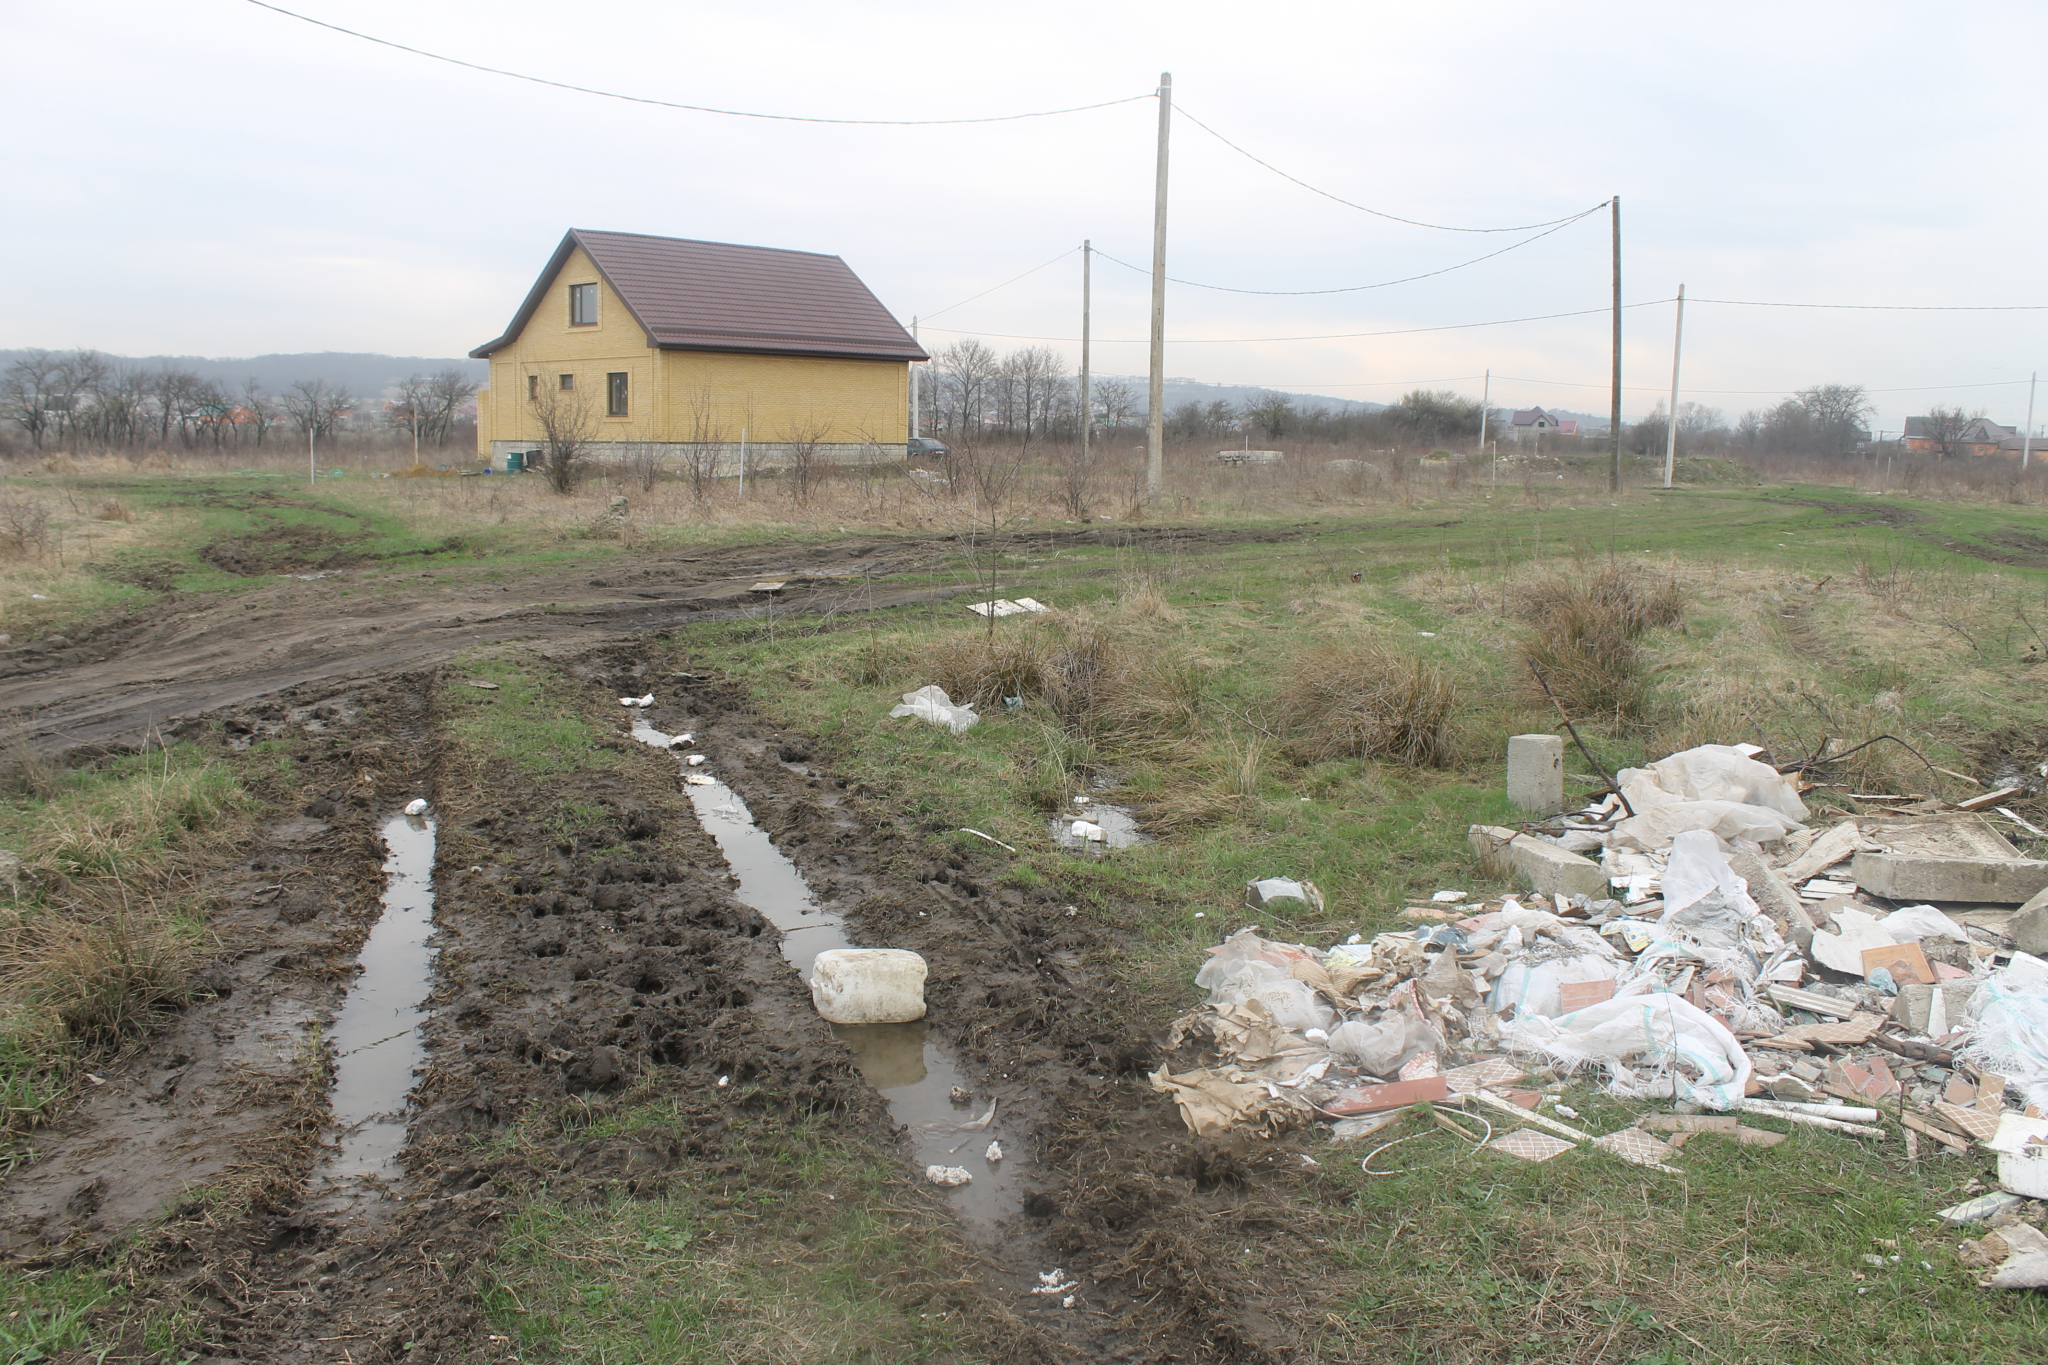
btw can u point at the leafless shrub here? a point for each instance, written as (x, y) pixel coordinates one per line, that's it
(113, 509)
(1363, 701)
(1103, 685)
(1583, 638)
(101, 979)
(24, 524)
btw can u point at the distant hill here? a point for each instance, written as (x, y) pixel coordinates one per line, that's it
(1179, 391)
(361, 372)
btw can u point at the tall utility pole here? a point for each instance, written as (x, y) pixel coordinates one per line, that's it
(1087, 403)
(2027, 438)
(1671, 425)
(1155, 422)
(312, 466)
(1614, 399)
(1485, 397)
(915, 428)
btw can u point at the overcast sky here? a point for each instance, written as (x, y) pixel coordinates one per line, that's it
(207, 177)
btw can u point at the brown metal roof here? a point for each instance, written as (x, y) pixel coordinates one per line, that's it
(716, 296)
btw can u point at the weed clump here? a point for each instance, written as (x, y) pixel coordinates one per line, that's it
(1102, 686)
(1584, 639)
(1362, 701)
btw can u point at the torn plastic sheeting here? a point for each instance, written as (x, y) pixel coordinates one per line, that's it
(1711, 773)
(1535, 988)
(1658, 1045)
(931, 703)
(1730, 820)
(2026, 1261)
(1916, 922)
(2009, 1027)
(1382, 1048)
(1699, 869)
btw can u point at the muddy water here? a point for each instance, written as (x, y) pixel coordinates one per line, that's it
(912, 1069)
(376, 1038)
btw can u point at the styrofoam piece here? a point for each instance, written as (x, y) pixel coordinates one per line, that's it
(868, 985)
(417, 806)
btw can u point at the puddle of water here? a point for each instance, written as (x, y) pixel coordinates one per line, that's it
(1119, 827)
(376, 1038)
(914, 1071)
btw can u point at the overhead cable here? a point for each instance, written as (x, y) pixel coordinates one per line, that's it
(692, 108)
(926, 317)
(1182, 110)
(1660, 388)
(1890, 307)
(1326, 336)
(1357, 288)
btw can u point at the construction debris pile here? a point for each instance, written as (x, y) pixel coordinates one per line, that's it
(1872, 979)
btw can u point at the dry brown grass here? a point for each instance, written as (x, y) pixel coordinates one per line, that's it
(1583, 638)
(97, 979)
(1364, 701)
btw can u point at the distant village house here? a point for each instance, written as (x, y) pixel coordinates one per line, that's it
(1978, 436)
(1529, 424)
(663, 345)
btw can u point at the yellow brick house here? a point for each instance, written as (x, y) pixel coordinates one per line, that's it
(698, 350)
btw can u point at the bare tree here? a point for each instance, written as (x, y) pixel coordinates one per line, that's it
(315, 408)
(1944, 429)
(806, 442)
(1838, 412)
(707, 437)
(261, 408)
(566, 427)
(410, 411)
(447, 391)
(26, 393)
(79, 375)
(1116, 402)
(967, 373)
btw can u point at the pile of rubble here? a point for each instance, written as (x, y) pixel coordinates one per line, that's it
(1872, 979)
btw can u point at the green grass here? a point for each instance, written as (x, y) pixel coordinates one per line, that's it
(125, 817)
(533, 719)
(798, 1251)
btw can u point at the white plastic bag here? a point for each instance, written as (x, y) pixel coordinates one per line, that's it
(1916, 922)
(1383, 1047)
(1653, 1046)
(2009, 1033)
(931, 703)
(1655, 827)
(1711, 772)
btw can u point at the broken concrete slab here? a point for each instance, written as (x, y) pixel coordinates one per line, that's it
(1930, 877)
(2028, 926)
(1915, 1003)
(1948, 836)
(1837, 845)
(1543, 865)
(1768, 887)
(1536, 773)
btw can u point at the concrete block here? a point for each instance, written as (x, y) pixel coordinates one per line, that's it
(1543, 865)
(2028, 926)
(1774, 895)
(1920, 877)
(1536, 773)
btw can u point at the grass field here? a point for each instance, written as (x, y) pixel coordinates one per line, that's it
(1803, 615)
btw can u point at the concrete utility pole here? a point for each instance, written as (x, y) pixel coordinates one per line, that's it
(1155, 422)
(1087, 418)
(915, 429)
(1614, 399)
(1485, 397)
(2027, 437)
(1671, 426)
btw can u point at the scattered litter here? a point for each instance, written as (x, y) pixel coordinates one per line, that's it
(724, 1081)
(486, 686)
(695, 760)
(1981, 1209)
(1447, 897)
(699, 780)
(950, 1176)
(416, 806)
(2020, 1258)
(1350, 1130)
(1051, 1282)
(990, 837)
(647, 700)
(931, 703)
(994, 1153)
(1259, 894)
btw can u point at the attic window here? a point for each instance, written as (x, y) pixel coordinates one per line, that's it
(583, 305)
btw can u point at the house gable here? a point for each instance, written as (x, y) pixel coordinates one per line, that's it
(717, 296)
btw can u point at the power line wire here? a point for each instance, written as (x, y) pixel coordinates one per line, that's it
(692, 108)
(1327, 336)
(1182, 110)
(1659, 388)
(1357, 288)
(926, 317)
(1890, 307)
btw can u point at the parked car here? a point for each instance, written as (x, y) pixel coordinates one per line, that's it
(925, 448)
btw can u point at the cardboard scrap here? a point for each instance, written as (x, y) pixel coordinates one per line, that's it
(1692, 1123)
(1211, 1102)
(2026, 1262)
(1529, 1146)
(1905, 961)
